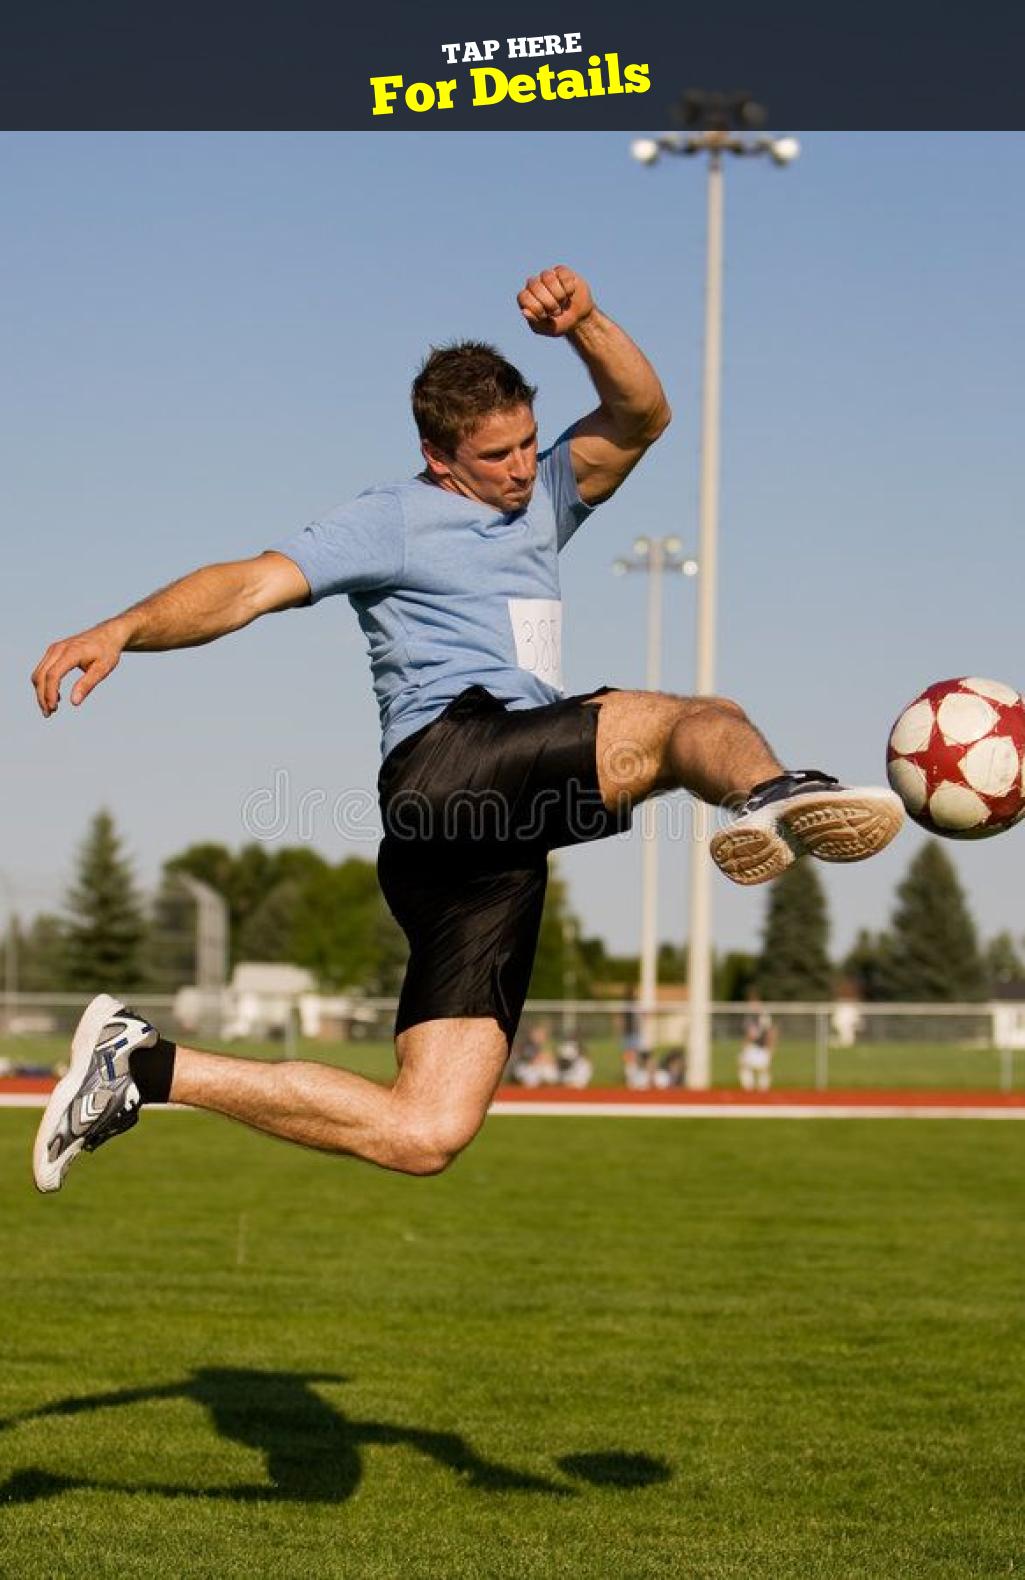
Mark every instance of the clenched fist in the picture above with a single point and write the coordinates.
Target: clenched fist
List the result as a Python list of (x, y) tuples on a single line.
[(555, 301)]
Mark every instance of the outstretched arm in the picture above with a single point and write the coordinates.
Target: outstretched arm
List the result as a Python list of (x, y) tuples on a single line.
[(200, 607), (633, 411)]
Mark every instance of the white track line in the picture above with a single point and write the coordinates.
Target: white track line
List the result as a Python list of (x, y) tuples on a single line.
[(752, 1111)]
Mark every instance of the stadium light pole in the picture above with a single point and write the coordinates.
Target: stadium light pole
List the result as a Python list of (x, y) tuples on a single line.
[(654, 556), (719, 123)]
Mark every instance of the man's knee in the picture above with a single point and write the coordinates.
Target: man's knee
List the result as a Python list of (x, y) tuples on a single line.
[(429, 1144)]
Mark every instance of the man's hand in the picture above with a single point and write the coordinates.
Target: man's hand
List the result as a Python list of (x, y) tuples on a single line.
[(94, 652), (198, 608), (555, 301)]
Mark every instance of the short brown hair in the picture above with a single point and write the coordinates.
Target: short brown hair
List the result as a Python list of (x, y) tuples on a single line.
[(459, 385)]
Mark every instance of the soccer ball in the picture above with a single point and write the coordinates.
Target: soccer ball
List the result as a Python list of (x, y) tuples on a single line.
[(956, 758)]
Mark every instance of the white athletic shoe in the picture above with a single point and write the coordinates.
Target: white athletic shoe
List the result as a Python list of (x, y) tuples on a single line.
[(97, 1099), (804, 814)]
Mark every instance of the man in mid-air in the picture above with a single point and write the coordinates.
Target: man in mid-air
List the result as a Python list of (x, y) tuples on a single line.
[(487, 766)]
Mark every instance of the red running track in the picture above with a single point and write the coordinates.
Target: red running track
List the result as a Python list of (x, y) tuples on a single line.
[(787, 1097)]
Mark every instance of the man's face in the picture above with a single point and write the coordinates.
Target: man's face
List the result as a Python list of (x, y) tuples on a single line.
[(496, 463)]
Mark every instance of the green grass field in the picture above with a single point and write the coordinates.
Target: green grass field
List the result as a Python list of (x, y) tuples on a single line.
[(893, 1064), (596, 1348)]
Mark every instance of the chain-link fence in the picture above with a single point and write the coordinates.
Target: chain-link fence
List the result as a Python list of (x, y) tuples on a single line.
[(599, 1043)]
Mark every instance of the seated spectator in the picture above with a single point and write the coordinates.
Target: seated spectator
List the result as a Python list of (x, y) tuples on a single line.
[(575, 1068), (533, 1062), (637, 1071), (670, 1070)]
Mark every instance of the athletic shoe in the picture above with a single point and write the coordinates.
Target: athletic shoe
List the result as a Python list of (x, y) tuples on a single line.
[(97, 1099), (804, 814)]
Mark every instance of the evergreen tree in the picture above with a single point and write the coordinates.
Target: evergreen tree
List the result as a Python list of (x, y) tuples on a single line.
[(934, 952), (866, 964), (795, 960), (1003, 964), (106, 929)]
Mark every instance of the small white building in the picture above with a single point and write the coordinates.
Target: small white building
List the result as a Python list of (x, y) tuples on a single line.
[(266, 1000), (1008, 1024)]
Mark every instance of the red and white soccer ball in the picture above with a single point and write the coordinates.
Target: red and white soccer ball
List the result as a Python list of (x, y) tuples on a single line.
[(956, 758)]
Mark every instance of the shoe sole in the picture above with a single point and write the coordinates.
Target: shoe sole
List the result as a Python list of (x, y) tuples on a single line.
[(848, 825), (50, 1176), (857, 825)]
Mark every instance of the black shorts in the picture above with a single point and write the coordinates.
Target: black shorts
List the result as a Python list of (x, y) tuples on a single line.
[(472, 804)]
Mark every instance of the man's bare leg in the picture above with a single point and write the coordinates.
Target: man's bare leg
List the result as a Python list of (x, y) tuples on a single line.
[(448, 1071), (649, 742)]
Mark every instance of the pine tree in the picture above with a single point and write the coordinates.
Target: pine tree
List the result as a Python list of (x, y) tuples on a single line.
[(933, 953), (106, 928), (795, 958), (866, 964), (1003, 964)]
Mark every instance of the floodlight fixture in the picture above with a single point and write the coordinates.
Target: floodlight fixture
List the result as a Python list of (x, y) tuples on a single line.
[(784, 150), (645, 150)]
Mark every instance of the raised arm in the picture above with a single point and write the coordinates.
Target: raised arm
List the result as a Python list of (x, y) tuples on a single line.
[(633, 411), (200, 607)]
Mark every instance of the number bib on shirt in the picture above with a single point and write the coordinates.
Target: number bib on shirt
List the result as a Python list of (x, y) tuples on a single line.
[(537, 632)]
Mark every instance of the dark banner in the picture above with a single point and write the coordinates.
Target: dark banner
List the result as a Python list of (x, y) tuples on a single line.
[(573, 66)]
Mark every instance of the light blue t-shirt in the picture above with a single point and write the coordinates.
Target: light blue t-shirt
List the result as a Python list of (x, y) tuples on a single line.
[(450, 592)]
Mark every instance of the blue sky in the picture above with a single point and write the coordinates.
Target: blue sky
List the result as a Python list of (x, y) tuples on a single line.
[(209, 339)]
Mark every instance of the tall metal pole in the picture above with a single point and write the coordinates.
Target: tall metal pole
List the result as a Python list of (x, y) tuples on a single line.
[(699, 973), (717, 113), (654, 557), (649, 818)]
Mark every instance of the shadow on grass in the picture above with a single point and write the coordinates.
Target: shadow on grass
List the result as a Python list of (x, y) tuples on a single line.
[(312, 1449), (616, 1470)]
